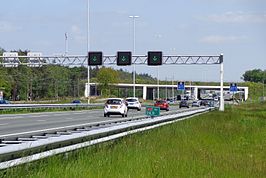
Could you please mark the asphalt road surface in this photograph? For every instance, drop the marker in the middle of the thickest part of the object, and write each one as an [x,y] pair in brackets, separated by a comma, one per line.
[17,124]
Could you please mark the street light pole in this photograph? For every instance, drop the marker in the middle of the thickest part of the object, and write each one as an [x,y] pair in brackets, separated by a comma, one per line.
[134,50]
[88,48]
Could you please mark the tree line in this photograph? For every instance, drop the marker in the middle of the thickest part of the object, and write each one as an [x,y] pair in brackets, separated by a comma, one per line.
[54,81]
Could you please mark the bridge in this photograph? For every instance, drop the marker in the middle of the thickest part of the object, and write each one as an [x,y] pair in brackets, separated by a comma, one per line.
[148,88]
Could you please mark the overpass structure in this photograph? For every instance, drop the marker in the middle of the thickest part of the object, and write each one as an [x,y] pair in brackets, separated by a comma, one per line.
[147,88]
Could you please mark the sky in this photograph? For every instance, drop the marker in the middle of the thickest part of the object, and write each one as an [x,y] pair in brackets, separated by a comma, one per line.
[236,28]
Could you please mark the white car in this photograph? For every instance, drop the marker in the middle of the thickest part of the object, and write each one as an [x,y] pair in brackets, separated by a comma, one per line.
[115,106]
[133,103]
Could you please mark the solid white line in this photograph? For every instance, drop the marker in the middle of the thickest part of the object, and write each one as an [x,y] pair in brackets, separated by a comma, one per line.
[4,124]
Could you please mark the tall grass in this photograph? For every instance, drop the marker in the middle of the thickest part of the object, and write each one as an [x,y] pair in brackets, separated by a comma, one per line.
[217,144]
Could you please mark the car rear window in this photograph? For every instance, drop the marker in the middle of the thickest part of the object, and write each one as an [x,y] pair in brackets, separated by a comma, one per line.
[114,102]
[160,102]
[131,100]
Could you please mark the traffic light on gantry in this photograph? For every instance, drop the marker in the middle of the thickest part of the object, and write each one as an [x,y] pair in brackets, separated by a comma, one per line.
[155,58]
[123,58]
[95,58]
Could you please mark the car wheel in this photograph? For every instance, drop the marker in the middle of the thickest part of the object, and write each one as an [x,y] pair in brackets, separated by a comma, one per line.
[167,109]
[104,115]
[108,115]
[139,109]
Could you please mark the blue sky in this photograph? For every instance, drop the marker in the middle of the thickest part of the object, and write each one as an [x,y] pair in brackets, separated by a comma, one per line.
[236,28]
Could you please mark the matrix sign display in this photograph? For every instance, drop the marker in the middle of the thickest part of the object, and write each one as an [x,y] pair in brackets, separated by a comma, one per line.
[155,58]
[95,58]
[124,58]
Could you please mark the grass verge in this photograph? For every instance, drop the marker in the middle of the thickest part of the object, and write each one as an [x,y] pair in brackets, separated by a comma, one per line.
[216,144]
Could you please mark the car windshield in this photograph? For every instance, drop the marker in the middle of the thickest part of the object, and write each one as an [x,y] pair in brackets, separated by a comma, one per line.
[114,101]
[131,100]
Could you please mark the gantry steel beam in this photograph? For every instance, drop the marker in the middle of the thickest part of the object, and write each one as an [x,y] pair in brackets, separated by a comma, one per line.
[77,60]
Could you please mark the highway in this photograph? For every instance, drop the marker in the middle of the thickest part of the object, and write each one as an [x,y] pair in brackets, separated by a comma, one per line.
[21,124]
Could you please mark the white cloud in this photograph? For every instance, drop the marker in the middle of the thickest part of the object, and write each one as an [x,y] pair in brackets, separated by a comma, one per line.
[77,34]
[75,29]
[218,39]
[238,17]
[7,27]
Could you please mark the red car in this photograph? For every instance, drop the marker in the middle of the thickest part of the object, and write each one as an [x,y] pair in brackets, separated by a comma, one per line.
[162,104]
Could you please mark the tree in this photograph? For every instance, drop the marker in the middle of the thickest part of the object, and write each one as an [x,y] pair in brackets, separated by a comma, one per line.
[106,77]
[5,82]
[255,75]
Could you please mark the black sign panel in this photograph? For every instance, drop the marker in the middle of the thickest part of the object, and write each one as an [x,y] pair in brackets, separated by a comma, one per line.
[155,58]
[124,58]
[95,58]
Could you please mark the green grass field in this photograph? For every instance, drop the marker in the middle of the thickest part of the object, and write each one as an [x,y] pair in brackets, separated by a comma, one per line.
[216,144]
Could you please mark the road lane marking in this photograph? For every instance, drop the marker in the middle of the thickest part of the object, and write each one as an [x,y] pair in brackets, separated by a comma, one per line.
[57,128]
[4,124]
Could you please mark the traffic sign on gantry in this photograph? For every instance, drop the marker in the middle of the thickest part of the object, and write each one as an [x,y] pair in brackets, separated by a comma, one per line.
[10,59]
[95,58]
[124,58]
[35,59]
[155,58]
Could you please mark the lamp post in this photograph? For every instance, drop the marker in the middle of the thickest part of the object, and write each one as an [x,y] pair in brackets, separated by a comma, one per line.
[88,48]
[134,49]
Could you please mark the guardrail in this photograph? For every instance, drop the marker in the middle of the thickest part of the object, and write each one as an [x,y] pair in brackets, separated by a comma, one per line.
[38,106]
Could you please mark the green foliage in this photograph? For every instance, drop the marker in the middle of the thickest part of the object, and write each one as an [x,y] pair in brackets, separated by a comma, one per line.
[256,75]
[5,83]
[1,51]
[106,77]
